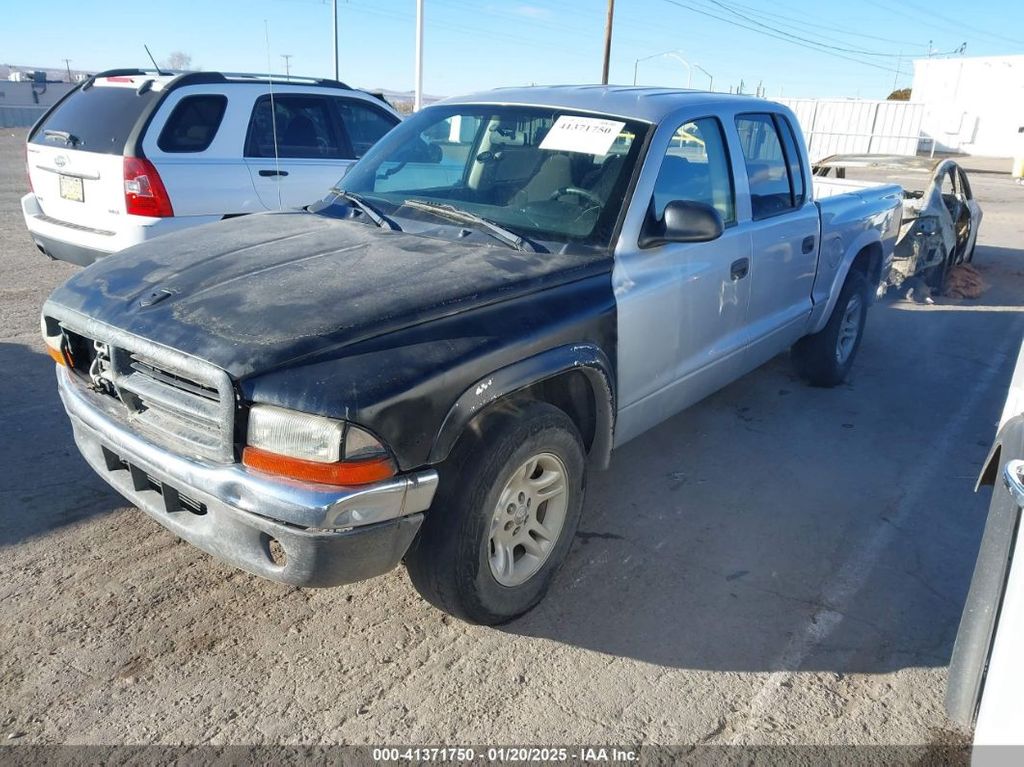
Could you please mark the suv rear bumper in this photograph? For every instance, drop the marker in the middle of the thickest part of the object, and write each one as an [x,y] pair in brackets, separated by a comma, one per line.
[236,515]
[82,245]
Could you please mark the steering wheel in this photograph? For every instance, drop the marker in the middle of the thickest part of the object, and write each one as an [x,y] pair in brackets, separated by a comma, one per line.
[585,194]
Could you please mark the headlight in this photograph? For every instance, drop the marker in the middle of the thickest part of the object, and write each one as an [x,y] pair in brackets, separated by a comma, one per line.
[313,448]
[297,435]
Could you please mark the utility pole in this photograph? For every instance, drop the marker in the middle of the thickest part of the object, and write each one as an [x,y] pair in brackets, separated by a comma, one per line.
[418,102]
[334,26]
[608,41]
[287,64]
[67,63]
[899,61]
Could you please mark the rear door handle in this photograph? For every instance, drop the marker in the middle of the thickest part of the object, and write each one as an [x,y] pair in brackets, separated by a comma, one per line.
[273,173]
[739,269]
[808,244]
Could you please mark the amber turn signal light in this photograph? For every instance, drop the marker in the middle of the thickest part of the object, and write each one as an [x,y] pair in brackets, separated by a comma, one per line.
[57,354]
[337,473]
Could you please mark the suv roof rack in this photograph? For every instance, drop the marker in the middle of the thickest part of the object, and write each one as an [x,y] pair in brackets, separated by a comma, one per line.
[254,76]
[182,77]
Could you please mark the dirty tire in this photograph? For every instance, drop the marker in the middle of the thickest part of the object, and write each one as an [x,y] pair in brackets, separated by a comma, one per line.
[817,358]
[450,560]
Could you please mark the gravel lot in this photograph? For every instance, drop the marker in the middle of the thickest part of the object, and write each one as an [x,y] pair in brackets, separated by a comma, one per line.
[778,564]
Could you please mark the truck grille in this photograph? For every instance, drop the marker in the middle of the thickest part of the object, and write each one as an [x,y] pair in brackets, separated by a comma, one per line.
[174,400]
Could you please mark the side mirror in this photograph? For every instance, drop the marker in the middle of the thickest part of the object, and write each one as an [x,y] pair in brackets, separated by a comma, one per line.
[682,221]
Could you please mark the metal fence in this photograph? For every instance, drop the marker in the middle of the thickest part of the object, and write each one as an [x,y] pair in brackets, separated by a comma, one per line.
[19,116]
[847,126]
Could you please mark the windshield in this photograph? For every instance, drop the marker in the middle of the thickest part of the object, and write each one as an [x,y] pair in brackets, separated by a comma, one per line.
[540,173]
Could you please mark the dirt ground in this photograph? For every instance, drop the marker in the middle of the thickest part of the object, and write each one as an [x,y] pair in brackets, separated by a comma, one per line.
[779,564]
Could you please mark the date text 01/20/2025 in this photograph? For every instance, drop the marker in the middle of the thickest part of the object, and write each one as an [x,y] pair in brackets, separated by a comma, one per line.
[505,754]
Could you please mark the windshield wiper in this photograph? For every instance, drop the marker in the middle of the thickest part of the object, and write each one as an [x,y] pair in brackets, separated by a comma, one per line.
[497,231]
[68,138]
[371,212]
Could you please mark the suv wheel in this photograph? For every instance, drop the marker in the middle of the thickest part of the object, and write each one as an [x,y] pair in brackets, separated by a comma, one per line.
[504,517]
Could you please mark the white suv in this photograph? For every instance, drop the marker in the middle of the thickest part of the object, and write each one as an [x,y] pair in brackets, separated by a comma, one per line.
[134,154]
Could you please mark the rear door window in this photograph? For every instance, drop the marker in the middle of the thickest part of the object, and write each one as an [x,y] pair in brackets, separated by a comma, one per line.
[193,123]
[97,119]
[771,190]
[364,123]
[302,126]
[796,171]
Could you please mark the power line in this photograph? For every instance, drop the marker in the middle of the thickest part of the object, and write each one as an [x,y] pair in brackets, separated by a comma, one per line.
[858,51]
[803,25]
[820,48]
[928,16]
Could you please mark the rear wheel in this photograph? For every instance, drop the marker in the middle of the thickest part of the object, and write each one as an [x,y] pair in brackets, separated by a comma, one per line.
[504,517]
[825,358]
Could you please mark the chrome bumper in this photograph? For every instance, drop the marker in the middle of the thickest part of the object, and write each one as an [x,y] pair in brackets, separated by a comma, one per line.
[330,535]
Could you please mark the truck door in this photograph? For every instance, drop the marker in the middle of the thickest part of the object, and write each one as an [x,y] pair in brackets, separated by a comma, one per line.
[310,154]
[681,306]
[784,231]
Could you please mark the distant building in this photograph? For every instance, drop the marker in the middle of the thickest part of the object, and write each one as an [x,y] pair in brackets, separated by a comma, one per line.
[972,105]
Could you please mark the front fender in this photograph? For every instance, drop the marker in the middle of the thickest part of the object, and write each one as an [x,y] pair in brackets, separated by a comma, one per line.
[587,359]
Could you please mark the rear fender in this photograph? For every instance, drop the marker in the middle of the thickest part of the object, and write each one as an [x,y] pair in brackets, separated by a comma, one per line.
[833,253]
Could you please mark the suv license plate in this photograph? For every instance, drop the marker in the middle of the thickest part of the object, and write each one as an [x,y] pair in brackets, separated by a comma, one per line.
[71,188]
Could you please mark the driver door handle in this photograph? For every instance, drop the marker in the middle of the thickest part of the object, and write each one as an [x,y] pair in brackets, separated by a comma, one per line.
[739,269]
[808,244]
[273,172]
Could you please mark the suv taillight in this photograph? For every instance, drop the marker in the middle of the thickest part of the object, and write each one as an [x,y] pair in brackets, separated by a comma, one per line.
[28,172]
[144,192]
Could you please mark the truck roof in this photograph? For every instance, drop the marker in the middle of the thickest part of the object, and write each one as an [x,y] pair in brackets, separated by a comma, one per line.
[635,102]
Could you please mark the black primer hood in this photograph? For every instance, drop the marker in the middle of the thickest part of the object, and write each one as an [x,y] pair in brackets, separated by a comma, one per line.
[254,293]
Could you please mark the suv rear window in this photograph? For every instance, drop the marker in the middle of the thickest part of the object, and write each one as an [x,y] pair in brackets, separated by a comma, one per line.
[97,119]
[193,123]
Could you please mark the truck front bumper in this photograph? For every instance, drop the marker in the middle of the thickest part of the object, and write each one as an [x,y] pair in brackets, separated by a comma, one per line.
[292,532]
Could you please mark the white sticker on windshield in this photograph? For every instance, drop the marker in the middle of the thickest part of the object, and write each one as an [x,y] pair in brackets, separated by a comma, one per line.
[590,135]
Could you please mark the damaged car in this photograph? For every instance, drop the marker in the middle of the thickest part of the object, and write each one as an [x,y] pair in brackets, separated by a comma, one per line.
[940,218]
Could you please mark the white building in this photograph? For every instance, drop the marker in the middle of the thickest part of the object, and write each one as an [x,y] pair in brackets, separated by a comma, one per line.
[972,105]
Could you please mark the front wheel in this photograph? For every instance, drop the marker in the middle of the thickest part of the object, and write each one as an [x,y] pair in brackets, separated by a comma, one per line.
[825,358]
[504,517]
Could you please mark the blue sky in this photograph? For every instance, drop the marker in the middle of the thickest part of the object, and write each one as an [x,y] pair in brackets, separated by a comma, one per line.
[476,45]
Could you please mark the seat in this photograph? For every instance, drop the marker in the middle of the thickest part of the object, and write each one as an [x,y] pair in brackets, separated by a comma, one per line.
[554,173]
[299,135]
[601,181]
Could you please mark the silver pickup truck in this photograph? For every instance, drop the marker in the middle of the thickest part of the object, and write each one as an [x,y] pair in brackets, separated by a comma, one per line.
[424,366]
